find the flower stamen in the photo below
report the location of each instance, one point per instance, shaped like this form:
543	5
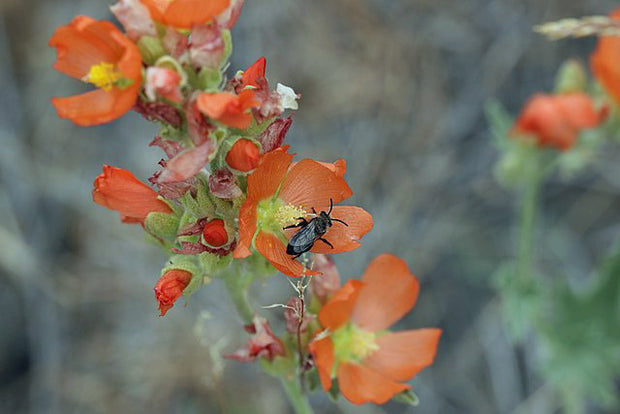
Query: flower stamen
103	75
287	214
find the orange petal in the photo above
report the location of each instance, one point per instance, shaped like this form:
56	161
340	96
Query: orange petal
266	178
401	355
390	291
309	184
604	62
247	228
96	107
254	72
337	311
274	250
342	237
578	110
120	190
228	108
184	13
323	354
360	384
83	43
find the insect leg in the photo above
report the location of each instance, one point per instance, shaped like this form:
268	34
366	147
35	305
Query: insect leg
326	242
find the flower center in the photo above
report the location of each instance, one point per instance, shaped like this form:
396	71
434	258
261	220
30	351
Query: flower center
352	344
274	214
103	75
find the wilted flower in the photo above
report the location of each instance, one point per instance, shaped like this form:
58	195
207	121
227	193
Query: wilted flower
262	343
120	190
135	18
328	282
163	82
370	362
170	287
95	51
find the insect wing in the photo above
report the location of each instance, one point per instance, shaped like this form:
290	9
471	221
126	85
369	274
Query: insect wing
303	239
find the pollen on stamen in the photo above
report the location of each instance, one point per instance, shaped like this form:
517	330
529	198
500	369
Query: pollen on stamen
287	214
363	344
103	75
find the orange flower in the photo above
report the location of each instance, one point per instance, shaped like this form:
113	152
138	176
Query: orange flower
214	233
604	62
170	287
96	51
556	119
252	74
243	156
120	190
184	13
228	108
279	193
370	362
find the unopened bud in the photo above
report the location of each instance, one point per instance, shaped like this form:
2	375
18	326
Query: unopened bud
571	77
151	49
214	233
170	287
244	155
326	284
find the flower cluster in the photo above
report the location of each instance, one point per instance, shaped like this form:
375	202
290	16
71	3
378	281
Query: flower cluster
227	198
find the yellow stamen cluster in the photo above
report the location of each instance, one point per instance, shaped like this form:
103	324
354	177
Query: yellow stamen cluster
353	344
287	214
103	75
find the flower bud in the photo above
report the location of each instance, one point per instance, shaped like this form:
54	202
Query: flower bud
214	233
244	155
207	46
162	224
571	77
151	49
323	286
170	287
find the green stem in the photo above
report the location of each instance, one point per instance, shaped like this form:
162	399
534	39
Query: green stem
525	255
296	396
237	287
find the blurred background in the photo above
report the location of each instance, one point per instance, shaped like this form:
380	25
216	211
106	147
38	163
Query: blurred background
397	87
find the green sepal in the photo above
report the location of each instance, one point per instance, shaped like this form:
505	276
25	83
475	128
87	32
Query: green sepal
181	262
212	264
407	397
208	78
198	280
499	121
571	77
334	391
228	47
200	205
151	49
162	224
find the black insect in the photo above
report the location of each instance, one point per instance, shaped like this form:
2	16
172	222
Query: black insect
311	231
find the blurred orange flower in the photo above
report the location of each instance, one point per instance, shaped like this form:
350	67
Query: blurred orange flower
279	193
170	287
604	62
228	108
96	51
120	190
556	119
185	13
369	362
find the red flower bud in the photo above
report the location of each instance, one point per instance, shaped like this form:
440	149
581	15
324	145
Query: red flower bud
262	343
214	233
328	283
243	156
170	287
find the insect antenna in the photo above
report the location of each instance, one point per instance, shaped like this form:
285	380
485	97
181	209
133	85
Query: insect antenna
331	206
340	221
